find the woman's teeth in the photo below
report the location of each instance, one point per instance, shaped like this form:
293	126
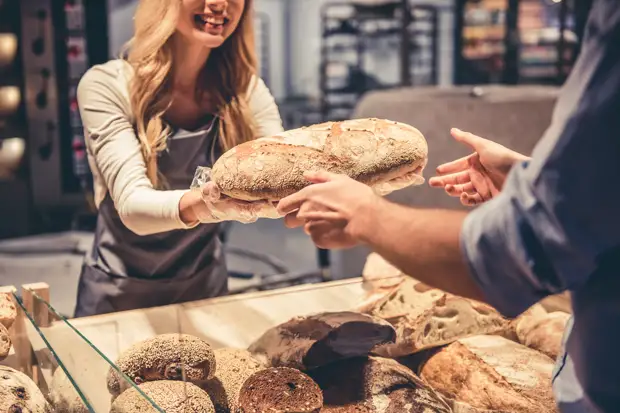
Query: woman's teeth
210	20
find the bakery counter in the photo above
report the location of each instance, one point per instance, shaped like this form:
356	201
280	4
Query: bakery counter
381	339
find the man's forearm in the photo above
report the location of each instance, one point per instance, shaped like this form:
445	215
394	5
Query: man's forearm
423	243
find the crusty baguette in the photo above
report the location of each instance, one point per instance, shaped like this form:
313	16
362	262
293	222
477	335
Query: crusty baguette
373	151
426	317
491	374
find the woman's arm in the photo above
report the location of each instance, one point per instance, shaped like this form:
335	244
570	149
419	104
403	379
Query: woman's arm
106	115
264	108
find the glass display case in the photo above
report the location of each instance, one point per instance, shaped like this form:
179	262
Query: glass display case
71	360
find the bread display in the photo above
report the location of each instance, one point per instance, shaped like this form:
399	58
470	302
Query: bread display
312	341
234	367
381	153
8	311
543	332
491	373
280	390
169	395
163	357
375	385
63	396
426	317
18	393
381	280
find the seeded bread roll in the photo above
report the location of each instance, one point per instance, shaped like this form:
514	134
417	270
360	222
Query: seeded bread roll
373	151
426	317
63	395
5	342
375	385
8	311
163	357
18	393
491	374
234	367
169	395
312	341
280	390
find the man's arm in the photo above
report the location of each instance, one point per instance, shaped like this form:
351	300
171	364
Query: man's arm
422	243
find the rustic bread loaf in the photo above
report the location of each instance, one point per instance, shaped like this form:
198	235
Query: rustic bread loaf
510	332
375	385
491	373
381	280
426	317
163	357
280	390
381	153
63	395
312	341
5	342
169	395
234	367
8	311
18	393
544	332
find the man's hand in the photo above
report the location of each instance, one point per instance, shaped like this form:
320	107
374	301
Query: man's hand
336	211
480	176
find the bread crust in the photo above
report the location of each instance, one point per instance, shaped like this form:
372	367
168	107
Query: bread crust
372	151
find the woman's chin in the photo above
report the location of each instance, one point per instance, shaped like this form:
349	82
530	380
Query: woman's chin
209	40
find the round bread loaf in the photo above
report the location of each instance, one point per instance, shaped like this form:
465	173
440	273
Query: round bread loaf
234	367
169	395
18	393
5	342
63	395
280	390
8	311
163	357
372	151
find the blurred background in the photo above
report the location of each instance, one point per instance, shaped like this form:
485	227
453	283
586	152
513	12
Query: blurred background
492	67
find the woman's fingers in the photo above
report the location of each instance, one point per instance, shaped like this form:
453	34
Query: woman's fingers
458	178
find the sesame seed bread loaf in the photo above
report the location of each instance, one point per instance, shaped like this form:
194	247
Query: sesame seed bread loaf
381	153
169	395
163	357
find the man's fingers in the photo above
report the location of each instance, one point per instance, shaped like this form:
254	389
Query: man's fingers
458	178
316	215
458	165
467	138
292	202
317	177
471	199
292	221
457	190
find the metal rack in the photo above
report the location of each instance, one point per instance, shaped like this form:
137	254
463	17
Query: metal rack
411	31
263	39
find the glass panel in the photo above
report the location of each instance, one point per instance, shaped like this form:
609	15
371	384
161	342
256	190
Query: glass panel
82	378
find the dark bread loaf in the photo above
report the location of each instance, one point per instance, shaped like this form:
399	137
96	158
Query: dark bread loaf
280	390
312	341
426	317
234	367
169	395
18	393
491	374
375	385
163	357
373	151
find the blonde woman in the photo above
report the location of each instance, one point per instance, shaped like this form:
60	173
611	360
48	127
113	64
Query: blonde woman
186	92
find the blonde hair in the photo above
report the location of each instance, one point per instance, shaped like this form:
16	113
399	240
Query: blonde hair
225	77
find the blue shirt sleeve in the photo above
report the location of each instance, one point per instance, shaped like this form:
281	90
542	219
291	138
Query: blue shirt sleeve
560	212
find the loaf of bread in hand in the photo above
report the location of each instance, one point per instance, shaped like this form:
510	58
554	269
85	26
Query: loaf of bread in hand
384	154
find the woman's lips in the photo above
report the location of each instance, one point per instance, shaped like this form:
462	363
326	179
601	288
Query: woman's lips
210	24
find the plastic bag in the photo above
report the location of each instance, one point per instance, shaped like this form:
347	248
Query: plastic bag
219	207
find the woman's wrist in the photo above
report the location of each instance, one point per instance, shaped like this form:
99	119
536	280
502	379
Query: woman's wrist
188	205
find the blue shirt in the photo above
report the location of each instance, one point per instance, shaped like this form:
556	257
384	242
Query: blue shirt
556	225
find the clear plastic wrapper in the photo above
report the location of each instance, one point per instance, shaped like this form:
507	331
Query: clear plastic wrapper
219	207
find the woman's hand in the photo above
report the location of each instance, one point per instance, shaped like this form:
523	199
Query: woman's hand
208	205
478	177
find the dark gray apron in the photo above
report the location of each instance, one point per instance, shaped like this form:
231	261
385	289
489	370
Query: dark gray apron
125	271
